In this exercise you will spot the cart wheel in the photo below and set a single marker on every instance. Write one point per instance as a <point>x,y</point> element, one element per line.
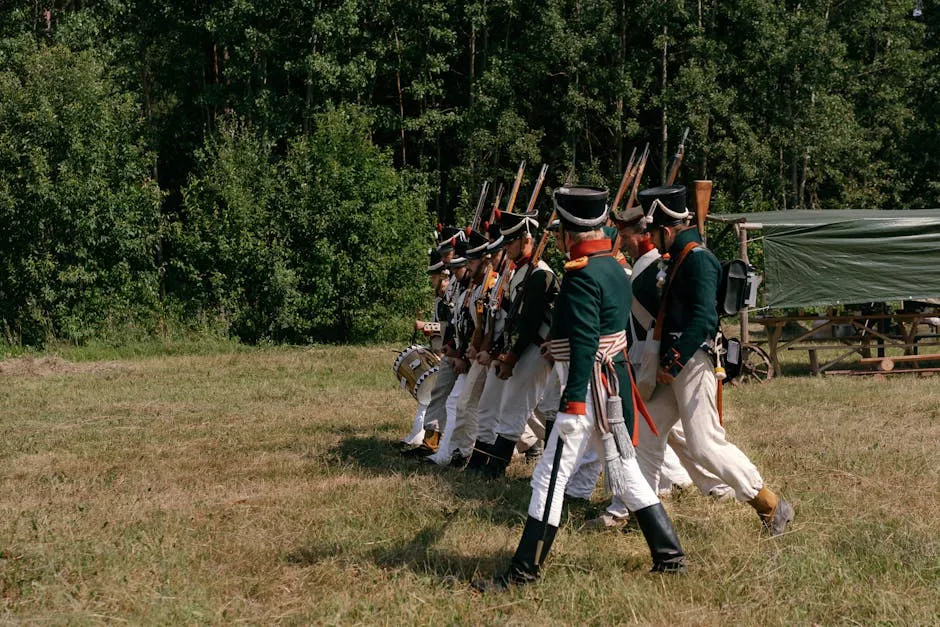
<point>756,366</point>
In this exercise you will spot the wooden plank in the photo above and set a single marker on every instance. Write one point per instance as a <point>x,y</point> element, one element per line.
<point>809,347</point>
<point>877,373</point>
<point>905,358</point>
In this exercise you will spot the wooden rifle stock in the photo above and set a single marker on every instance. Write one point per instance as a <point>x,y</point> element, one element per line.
<point>499,195</point>
<point>535,190</point>
<point>677,159</point>
<point>537,255</point>
<point>639,176</point>
<point>624,183</point>
<point>515,188</point>
<point>477,338</point>
<point>494,302</point>
<point>703,199</point>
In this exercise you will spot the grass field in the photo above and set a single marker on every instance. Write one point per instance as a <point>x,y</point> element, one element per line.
<point>260,486</point>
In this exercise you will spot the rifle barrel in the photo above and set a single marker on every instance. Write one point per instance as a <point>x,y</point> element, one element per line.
<point>515,187</point>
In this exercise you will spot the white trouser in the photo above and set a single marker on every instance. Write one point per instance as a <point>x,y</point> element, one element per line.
<point>444,450</point>
<point>417,427</point>
<point>522,393</point>
<point>488,407</point>
<point>465,426</point>
<point>437,409</point>
<point>672,473</point>
<point>690,399</point>
<point>584,477</point>
<point>707,483</point>
<point>533,432</point>
<point>578,434</point>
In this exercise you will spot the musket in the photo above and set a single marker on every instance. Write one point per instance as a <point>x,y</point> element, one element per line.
<point>515,187</point>
<point>478,214</point>
<point>703,198</point>
<point>533,259</point>
<point>535,190</point>
<point>677,159</point>
<point>499,195</point>
<point>639,176</point>
<point>540,250</point>
<point>624,182</point>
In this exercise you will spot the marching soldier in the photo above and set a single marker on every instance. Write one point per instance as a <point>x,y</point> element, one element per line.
<point>465,430</point>
<point>520,367</point>
<point>465,323</point>
<point>438,274</point>
<point>672,469</point>
<point>687,386</point>
<point>451,248</point>
<point>588,344</point>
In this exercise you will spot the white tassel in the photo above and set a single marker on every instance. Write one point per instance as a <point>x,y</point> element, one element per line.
<point>618,427</point>
<point>615,474</point>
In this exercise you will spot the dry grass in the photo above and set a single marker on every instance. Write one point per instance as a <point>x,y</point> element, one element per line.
<point>260,487</point>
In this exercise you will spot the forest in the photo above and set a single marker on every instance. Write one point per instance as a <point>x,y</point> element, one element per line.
<point>274,171</point>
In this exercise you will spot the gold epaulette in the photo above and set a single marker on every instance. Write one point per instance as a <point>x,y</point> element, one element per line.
<point>576,264</point>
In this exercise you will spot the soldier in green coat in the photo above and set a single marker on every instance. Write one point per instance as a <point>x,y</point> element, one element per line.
<point>687,386</point>
<point>589,345</point>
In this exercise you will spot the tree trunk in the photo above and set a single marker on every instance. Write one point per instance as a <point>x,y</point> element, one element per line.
<point>401,101</point>
<point>664,164</point>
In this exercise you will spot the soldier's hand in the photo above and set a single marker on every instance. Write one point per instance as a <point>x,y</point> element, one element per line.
<point>503,370</point>
<point>471,353</point>
<point>663,377</point>
<point>461,366</point>
<point>483,358</point>
<point>419,325</point>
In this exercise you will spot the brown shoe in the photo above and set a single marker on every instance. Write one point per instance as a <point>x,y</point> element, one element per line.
<point>428,447</point>
<point>606,522</point>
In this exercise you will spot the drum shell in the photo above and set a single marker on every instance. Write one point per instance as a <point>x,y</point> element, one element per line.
<point>416,368</point>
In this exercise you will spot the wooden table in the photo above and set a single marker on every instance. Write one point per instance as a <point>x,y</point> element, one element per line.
<point>864,331</point>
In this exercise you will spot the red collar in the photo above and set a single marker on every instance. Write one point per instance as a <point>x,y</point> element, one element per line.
<point>590,247</point>
<point>645,246</point>
<point>523,261</point>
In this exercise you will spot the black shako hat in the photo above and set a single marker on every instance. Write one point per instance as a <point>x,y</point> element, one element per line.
<point>476,244</point>
<point>436,264</point>
<point>512,226</point>
<point>496,238</point>
<point>664,206</point>
<point>460,255</point>
<point>581,208</point>
<point>447,237</point>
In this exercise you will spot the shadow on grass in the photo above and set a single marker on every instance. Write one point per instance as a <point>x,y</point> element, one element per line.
<point>420,557</point>
<point>417,555</point>
<point>502,502</point>
<point>378,456</point>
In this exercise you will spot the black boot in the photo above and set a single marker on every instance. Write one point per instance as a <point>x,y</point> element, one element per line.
<point>662,539</point>
<point>501,456</point>
<point>526,564</point>
<point>549,425</point>
<point>480,456</point>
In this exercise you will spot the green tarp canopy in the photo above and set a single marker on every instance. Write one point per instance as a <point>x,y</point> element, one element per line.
<point>837,257</point>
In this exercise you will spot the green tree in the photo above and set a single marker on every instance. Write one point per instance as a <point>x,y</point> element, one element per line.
<point>79,212</point>
<point>358,230</point>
